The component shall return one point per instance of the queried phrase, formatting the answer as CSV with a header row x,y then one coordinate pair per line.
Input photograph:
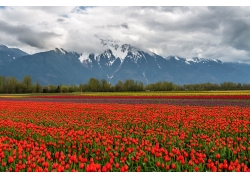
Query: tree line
x,y
10,85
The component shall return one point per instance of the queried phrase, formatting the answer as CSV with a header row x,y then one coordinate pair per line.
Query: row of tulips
x,y
148,97
177,102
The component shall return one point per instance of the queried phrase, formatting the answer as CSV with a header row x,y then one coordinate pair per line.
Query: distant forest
x,y
9,85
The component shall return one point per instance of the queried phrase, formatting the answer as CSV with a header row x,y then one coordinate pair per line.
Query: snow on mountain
x,y
200,60
216,60
110,62
86,60
110,44
114,50
118,51
135,55
172,57
190,60
82,58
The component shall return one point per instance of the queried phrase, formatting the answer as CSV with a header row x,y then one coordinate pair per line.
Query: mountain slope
x,y
9,54
51,67
121,62
117,62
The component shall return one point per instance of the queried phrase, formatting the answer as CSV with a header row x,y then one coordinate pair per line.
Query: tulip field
x,y
125,133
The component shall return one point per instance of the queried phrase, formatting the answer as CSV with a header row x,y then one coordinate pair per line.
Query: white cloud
x,y
210,32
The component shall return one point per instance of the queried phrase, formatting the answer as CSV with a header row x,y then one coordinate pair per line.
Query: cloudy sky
x,y
210,32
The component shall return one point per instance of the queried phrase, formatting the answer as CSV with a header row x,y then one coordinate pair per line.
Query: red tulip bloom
x,y
67,166
108,166
10,159
158,164
81,166
190,163
173,166
138,169
162,165
196,169
3,164
117,165
126,168
104,169
217,156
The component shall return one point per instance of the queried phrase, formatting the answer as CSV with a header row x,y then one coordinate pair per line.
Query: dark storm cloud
x,y
27,35
38,40
236,26
237,34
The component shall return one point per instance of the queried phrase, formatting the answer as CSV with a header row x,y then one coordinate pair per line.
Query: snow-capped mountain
x,y
124,61
117,58
119,62
114,50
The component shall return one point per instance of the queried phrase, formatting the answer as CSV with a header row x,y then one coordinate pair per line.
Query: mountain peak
x,y
60,50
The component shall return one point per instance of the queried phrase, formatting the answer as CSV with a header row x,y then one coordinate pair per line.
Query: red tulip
x,y
158,164
10,159
196,169
81,166
217,156
117,165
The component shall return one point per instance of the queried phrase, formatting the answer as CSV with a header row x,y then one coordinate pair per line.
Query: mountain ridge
x,y
120,62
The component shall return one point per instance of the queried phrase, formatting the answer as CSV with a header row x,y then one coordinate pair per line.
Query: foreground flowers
x,y
57,136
